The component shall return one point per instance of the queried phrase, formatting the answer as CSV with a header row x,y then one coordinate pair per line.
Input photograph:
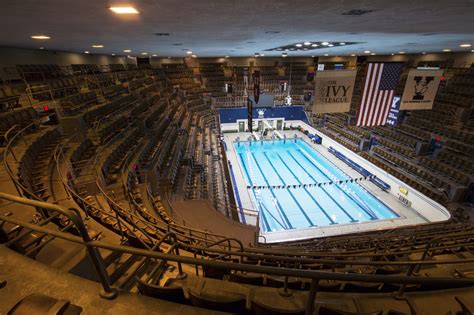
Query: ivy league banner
x,y
420,89
333,91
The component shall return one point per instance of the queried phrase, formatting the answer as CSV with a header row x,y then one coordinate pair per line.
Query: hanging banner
x,y
420,89
392,118
256,86
333,91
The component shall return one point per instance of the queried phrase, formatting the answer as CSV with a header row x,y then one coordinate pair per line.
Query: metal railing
x,y
314,276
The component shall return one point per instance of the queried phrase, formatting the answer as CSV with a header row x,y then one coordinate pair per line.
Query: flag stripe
x,y
362,104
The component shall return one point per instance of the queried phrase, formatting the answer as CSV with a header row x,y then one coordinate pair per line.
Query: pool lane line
x,y
354,197
279,210
328,194
369,212
289,191
306,190
265,221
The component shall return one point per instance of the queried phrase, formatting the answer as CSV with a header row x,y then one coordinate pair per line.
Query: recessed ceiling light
x,y
353,55
392,54
326,55
342,44
97,46
40,37
446,50
144,53
324,43
330,45
366,51
472,50
226,56
298,45
372,54
465,45
86,52
312,56
41,48
189,52
423,53
194,56
154,55
127,51
307,43
401,52
124,10
284,55
262,55
113,54
314,45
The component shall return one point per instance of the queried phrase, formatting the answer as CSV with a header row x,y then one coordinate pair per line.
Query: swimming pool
x,y
294,187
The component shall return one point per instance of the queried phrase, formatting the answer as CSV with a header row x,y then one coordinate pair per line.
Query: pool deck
x,y
408,216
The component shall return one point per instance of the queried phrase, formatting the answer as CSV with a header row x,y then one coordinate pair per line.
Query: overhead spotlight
x,y
324,43
401,52
312,56
144,53
154,55
353,55
127,51
194,56
472,50
325,55
423,53
330,45
307,43
113,54
372,54
226,56
262,55
299,45
284,55
86,52
465,45
366,51
392,54
314,45
446,50
256,55
97,46
124,10
40,37
41,48
189,52
342,44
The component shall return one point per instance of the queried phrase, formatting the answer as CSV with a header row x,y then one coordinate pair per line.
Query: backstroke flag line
x,y
420,89
333,91
381,79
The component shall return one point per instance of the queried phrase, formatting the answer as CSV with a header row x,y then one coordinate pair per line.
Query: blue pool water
x,y
294,187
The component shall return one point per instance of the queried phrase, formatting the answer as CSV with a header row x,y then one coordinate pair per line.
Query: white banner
x,y
420,89
333,91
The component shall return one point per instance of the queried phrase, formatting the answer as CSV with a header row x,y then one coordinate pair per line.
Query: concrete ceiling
x,y
238,27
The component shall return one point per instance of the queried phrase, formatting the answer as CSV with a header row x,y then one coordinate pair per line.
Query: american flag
x,y
379,87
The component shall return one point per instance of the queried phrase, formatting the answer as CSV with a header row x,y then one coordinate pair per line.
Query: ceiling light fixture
x,y
124,10
86,52
465,45
194,56
314,45
40,37
307,43
401,52
127,51
423,53
154,55
226,56
446,50
144,53
392,54
189,52
299,45
113,54
330,45
366,51
325,55
353,55
41,48
342,44
97,46
262,55
372,54
324,43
